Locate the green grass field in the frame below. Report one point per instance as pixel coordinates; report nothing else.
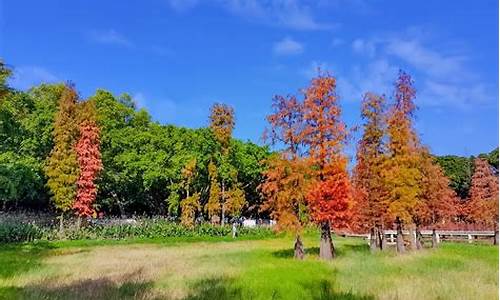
(244, 269)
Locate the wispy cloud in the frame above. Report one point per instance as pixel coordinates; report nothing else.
(110, 37)
(443, 77)
(27, 76)
(287, 46)
(293, 14)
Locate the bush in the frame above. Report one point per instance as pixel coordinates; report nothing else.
(116, 229)
(11, 232)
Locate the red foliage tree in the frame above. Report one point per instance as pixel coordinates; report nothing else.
(325, 136)
(369, 190)
(89, 161)
(438, 202)
(482, 205)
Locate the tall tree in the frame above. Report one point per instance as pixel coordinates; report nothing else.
(285, 182)
(62, 166)
(483, 196)
(191, 204)
(367, 174)
(401, 173)
(89, 160)
(325, 135)
(222, 125)
(438, 201)
(213, 206)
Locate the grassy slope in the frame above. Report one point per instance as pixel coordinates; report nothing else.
(251, 269)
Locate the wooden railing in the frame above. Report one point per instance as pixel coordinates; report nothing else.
(450, 235)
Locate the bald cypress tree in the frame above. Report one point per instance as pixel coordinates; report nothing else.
(62, 167)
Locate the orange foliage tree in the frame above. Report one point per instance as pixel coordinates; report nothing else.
(325, 135)
(285, 180)
(367, 174)
(89, 161)
(438, 202)
(483, 196)
(401, 173)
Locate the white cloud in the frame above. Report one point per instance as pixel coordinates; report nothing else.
(287, 46)
(364, 47)
(443, 77)
(293, 14)
(110, 37)
(25, 77)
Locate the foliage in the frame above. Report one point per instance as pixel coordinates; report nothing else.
(401, 173)
(483, 196)
(284, 185)
(459, 171)
(222, 123)
(439, 204)
(89, 161)
(62, 166)
(213, 206)
(367, 174)
(325, 135)
(189, 207)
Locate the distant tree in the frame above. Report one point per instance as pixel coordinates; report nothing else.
(483, 196)
(213, 206)
(62, 166)
(367, 174)
(459, 171)
(191, 204)
(325, 135)
(439, 202)
(285, 179)
(222, 125)
(401, 173)
(89, 160)
(5, 73)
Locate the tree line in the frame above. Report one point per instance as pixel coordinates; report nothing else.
(395, 183)
(103, 155)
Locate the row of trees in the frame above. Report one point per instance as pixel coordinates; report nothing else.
(395, 182)
(51, 141)
(104, 155)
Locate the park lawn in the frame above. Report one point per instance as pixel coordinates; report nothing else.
(242, 269)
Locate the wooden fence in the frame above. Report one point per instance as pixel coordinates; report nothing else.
(447, 235)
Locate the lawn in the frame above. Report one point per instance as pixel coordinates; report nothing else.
(243, 269)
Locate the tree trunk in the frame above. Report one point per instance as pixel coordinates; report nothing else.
(326, 249)
(420, 245)
(222, 221)
(413, 237)
(495, 238)
(234, 230)
(61, 224)
(78, 222)
(400, 243)
(435, 239)
(374, 244)
(298, 248)
(382, 239)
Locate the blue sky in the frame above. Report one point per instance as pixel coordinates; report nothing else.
(178, 57)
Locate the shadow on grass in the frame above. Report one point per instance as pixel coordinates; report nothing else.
(339, 251)
(323, 290)
(128, 286)
(16, 259)
(288, 253)
(220, 288)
